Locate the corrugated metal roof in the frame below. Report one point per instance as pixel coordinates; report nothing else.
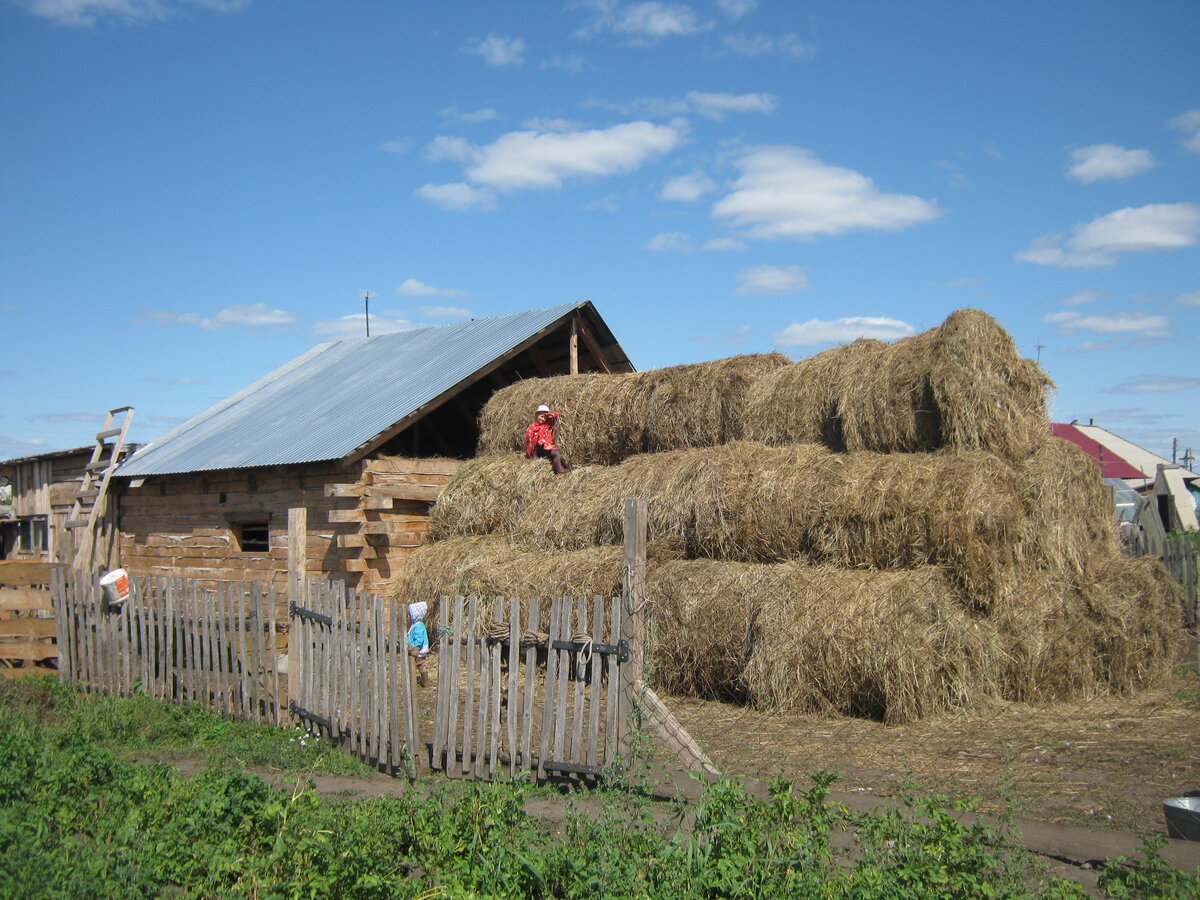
(1111, 465)
(1139, 457)
(331, 400)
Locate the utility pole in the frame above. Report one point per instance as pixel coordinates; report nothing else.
(367, 295)
(1040, 347)
(1175, 450)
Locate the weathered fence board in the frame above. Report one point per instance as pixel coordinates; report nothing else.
(512, 697)
(349, 668)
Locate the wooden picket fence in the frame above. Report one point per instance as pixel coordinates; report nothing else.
(175, 641)
(512, 697)
(350, 678)
(1178, 552)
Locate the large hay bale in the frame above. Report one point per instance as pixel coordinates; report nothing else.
(961, 385)
(889, 645)
(751, 503)
(1071, 523)
(607, 418)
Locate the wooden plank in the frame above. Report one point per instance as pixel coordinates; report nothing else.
(399, 465)
(24, 599)
(514, 699)
(496, 687)
(21, 573)
(484, 694)
(471, 686)
(383, 495)
(564, 680)
(441, 686)
(381, 706)
(533, 624)
(346, 516)
(633, 596)
(614, 683)
(349, 491)
(28, 628)
(596, 672)
(550, 688)
(456, 648)
(30, 651)
(579, 673)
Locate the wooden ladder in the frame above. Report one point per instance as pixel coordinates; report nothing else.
(93, 491)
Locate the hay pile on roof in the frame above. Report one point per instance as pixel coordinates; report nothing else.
(905, 537)
(607, 418)
(961, 385)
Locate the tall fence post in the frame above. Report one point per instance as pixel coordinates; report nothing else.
(633, 601)
(296, 574)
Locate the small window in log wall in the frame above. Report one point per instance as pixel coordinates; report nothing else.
(252, 537)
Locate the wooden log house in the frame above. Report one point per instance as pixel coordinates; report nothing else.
(362, 433)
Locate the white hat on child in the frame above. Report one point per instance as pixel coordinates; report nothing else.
(417, 610)
(543, 408)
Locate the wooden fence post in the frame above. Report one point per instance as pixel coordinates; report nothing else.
(296, 575)
(633, 601)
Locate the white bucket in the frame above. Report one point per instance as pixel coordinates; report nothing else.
(116, 586)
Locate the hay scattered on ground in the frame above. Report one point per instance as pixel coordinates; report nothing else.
(607, 418)
(961, 385)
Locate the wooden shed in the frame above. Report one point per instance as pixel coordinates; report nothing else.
(43, 494)
(361, 433)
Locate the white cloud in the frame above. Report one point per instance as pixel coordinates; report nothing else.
(1153, 384)
(642, 23)
(842, 331)
(687, 188)
(1109, 162)
(452, 148)
(238, 315)
(736, 9)
(82, 13)
(1189, 124)
(480, 115)
(789, 46)
(399, 145)
(497, 50)
(724, 243)
(571, 63)
(669, 241)
(608, 203)
(1140, 323)
(1192, 298)
(772, 280)
(532, 160)
(445, 312)
(715, 106)
(413, 288)
(354, 326)
(1079, 298)
(787, 192)
(1158, 226)
(458, 197)
(539, 123)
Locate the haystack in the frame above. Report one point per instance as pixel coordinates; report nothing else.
(890, 645)
(961, 385)
(751, 503)
(607, 418)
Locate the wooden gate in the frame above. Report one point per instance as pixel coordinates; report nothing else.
(511, 696)
(349, 677)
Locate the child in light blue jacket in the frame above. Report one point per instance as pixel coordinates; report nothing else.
(418, 639)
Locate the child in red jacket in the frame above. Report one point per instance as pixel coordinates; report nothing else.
(539, 438)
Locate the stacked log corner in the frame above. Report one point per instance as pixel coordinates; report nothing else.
(363, 520)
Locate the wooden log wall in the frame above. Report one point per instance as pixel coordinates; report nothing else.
(27, 636)
(362, 521)
(46, 487)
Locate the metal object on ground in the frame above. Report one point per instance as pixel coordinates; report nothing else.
(1183, 818)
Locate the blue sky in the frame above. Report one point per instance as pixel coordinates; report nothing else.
(196, 191)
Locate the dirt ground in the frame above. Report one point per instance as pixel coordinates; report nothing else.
(1108, 762)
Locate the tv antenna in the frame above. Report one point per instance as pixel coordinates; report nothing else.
(367, 295)
(1040, 347)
